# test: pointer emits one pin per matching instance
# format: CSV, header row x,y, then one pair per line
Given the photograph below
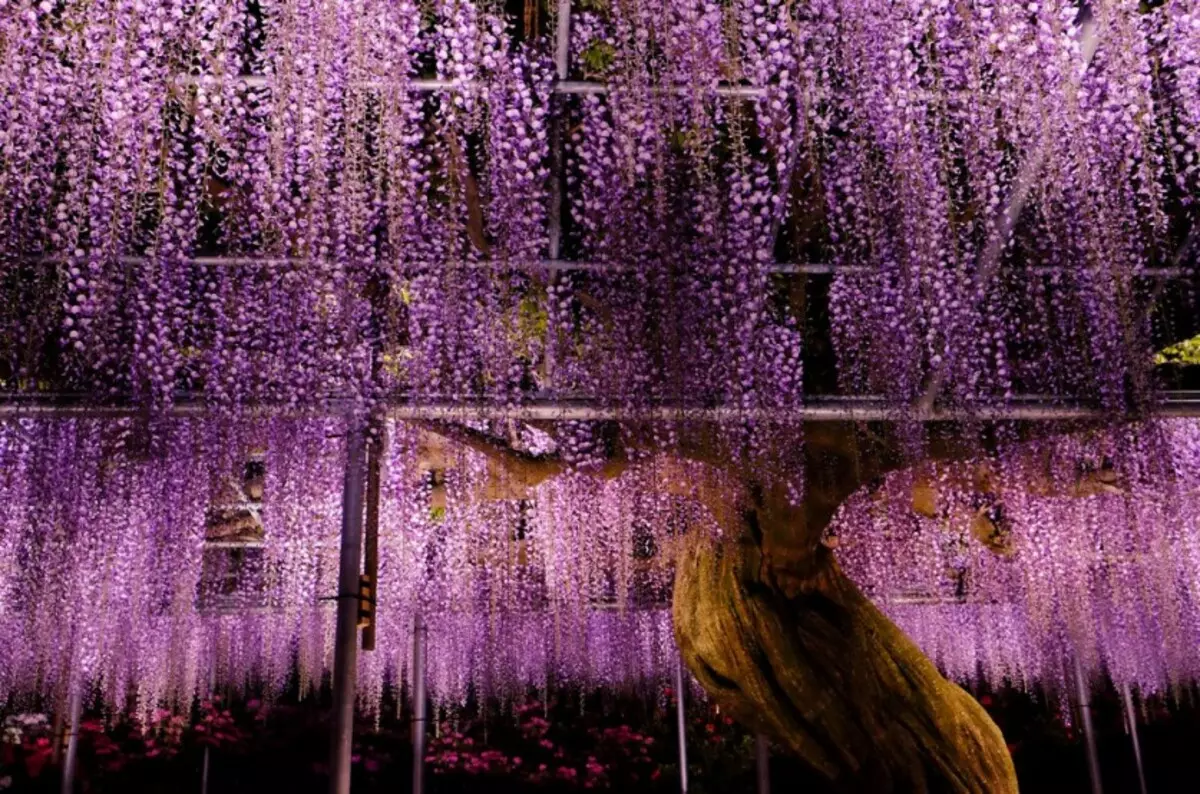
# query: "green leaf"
x,y
598,57
1185,353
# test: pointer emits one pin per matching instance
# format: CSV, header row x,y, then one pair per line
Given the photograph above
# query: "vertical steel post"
x,y
345,655
371,546
204,772
1131,716
60,720
762,753
212,685
72,756
420,718
562,55
1089,734
681,727
558,166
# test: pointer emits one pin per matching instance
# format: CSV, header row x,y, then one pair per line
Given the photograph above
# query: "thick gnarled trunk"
x,y
813,664
783,640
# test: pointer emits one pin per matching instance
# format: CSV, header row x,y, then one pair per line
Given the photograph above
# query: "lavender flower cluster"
x,y
1100,561
110,578
1000,173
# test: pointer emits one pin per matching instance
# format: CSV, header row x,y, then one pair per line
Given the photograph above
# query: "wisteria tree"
x,y
767,256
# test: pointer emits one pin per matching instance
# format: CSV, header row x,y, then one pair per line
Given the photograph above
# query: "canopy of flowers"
x,y
110,572
287,201
1008,583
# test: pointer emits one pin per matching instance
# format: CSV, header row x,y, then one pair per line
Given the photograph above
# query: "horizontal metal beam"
x,y
841,409
222,610
547,265
567,265
431,85
661,608
588,87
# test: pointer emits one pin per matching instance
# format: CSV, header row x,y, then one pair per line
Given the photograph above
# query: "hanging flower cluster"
x,y
121,569
1084,549
290,201
236,200
100,551
1006,172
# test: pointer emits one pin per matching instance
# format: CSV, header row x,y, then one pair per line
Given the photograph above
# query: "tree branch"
x,y
530,469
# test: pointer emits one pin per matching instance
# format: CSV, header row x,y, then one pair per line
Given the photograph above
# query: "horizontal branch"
x,y
529,468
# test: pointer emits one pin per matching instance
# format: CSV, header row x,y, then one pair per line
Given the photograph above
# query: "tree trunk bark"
x,y
781,639
792,649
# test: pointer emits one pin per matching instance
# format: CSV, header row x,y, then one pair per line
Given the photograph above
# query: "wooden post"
x,y
345,656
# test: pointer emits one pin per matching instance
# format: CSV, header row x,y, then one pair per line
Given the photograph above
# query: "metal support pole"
x,y
681,727
204,772
60,720
345,655
420,718
1131,716
371,551
762,752
1089,734
562,55
212,684
72,756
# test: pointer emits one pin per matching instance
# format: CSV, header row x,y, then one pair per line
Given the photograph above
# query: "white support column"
x,y
72,756
681,727
1131,718
420,707
345,658
1083,690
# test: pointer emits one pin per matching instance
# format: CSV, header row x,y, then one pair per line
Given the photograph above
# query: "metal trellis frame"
x,y
1031,408
554,264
